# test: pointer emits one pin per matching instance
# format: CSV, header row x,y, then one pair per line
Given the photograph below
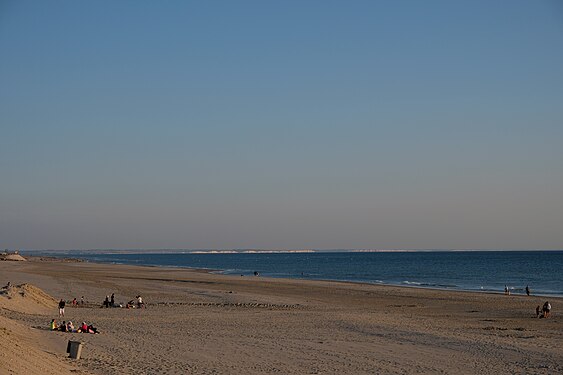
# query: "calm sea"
x,y
458,270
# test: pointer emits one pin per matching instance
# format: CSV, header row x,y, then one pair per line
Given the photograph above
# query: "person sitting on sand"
x,y
70,327
84,327
62,327
140,302
53,326
92,329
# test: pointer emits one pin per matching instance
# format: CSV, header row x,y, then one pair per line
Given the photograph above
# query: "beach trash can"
x,y
74,348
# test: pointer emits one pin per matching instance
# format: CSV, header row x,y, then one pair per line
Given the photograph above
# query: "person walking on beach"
x,y
527,290
62,304
546,309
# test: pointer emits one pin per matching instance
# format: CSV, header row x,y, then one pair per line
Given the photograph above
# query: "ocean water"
x,y
487,271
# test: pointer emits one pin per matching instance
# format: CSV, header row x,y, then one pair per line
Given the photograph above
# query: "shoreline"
x,y
216,272
222,272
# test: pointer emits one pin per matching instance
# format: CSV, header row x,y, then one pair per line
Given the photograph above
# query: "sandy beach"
x,y
201,323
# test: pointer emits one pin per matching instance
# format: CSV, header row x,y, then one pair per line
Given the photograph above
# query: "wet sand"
x,y
201,323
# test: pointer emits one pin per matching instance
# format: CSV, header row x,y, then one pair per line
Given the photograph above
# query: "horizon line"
x,y
260,250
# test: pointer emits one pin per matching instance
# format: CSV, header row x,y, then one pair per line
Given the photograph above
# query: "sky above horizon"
x,y
252,124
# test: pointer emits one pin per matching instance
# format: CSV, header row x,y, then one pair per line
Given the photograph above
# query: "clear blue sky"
x,y
291,124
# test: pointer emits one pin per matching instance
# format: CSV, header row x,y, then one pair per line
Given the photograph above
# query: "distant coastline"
x,y
256,251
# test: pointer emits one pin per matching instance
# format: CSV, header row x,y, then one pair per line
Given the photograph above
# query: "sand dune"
x,y
26,298
11,257
24,349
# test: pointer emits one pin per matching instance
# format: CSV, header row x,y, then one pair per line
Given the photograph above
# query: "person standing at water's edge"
x,y
62,304
527,290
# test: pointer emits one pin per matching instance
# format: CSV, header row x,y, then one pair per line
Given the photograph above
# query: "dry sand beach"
x,y
201,323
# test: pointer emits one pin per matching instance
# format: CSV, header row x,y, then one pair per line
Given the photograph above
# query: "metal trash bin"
x,y
74,348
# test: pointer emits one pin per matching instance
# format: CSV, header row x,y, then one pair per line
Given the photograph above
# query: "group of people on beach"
x,y
545,310
507,291
89,328
69,327
109,301
137,302
76,303
541,312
